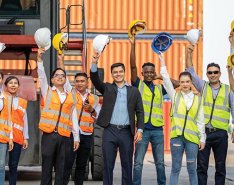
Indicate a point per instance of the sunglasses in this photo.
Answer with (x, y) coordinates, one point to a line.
(212, 72)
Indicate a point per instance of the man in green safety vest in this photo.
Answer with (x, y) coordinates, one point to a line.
(152, 96)
(218, 103)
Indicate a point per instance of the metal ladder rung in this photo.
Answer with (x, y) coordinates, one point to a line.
(72, 63)
(72, 52)
(72, 72)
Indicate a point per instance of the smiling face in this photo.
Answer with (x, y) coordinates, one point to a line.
(59, 78)
(81, 84)
(148, 73)
(185, 84)
(12, 86)
(118, 74)
(213, 74)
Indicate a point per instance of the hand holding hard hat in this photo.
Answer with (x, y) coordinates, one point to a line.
(193, 36)
(42, 38)
(100, 42)
(161, 42)
(136, 27)
(230, 61)
(60, 42)
(2, 47)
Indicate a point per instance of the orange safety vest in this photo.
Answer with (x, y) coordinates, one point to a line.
(17, 117)
(55, 113)
(86, 120)
(5, 120)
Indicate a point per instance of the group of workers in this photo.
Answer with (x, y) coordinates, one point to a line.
(129, 113)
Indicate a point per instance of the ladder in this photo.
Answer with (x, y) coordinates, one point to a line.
(75, 56)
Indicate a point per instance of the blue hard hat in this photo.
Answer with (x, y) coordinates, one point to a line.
(161, 42)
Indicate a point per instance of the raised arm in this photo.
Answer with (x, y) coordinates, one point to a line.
(98, 84)
(166, 78)
(133, 59)
(41, 73)
(197, 81)
(60, 64)
(230, 68)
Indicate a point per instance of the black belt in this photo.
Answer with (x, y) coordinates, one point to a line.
(210, 130)
(120, 126)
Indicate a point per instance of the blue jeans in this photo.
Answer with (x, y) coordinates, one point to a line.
(156, 138)
(3, 150)
(178, 146)
(14, 156)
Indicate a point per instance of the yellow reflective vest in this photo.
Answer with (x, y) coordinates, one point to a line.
(217, 111)
(152, 104)
(183, 121)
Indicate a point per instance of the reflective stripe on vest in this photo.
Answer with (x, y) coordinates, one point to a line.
(5, 119)
(19, 127)
(152, 104)
(17, 116)
(217, 111)
(51, 117)
(86, 120)
(183, 120)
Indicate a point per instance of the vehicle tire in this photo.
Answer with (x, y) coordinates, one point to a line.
(96, 154)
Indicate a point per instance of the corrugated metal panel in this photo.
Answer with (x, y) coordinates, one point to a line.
(115, 15)
(119, 50)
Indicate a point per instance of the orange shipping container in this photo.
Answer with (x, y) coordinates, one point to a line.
(119, 50)
(115, 15)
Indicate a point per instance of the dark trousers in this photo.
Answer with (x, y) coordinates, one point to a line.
(114, 139)
(82, 156)
(14, 156)
(218, 141)
(54, 149)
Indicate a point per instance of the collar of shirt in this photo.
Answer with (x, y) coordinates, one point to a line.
(220, 85)
(190, 95)
(65, 91)
(83, 96)
(125, 84)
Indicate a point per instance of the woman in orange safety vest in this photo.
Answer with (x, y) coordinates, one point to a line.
(16, 109)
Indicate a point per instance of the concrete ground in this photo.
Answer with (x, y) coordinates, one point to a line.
(149, 174)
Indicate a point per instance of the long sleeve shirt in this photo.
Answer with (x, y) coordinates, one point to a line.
(62, 96)
(199, 83)
(97, 106)
(120, 112)
(188, 98)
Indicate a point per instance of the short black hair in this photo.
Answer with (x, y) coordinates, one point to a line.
(9, 78)
(52, 74)
(82, 74)
(213, 65)
(186, 73)
(148, 64)
(118, 64)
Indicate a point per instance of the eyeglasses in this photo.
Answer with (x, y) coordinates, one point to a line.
(212, 72)
(59, 75)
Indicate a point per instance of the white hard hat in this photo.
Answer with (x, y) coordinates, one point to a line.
(100, 42)
(2, 47)
(193, 36)
(42, 38)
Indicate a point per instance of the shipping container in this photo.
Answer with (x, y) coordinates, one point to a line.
(119, 51)
(115, 15)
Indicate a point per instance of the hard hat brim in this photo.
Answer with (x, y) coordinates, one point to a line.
(161, 42)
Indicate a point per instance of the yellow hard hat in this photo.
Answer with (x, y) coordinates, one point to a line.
(60, 41)
(232, 25)
(136, 27)
(230, 61)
